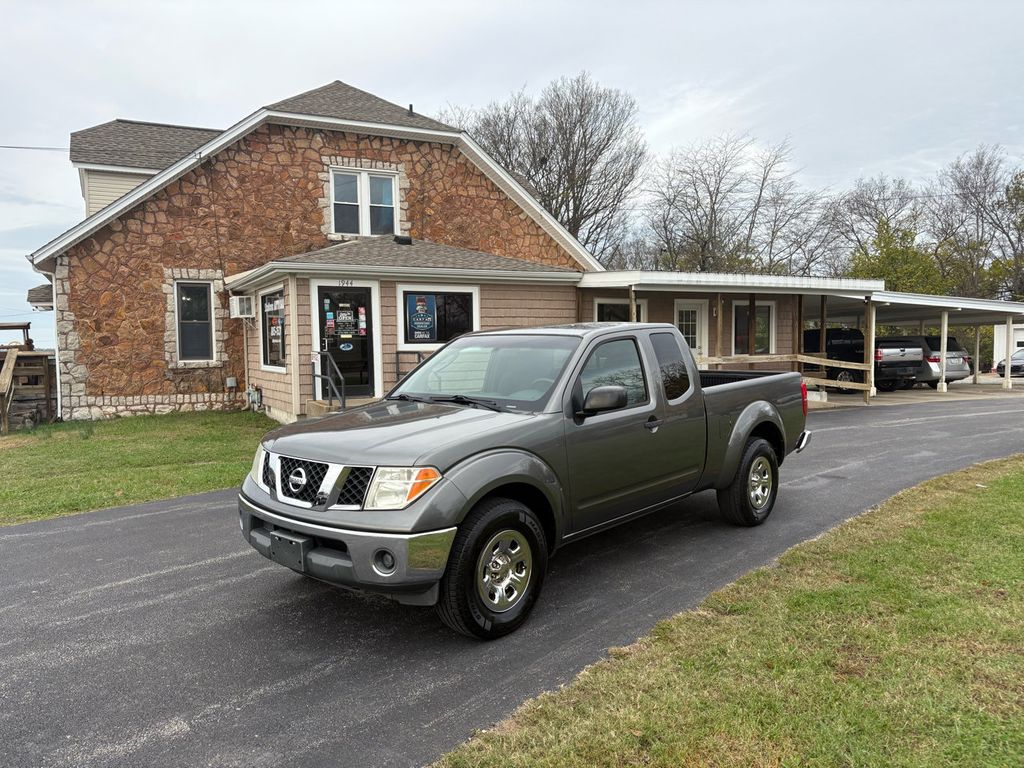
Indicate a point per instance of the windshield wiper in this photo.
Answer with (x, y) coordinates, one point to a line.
(467, 400)
(409, 398)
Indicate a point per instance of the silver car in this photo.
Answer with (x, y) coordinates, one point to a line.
(958, 362)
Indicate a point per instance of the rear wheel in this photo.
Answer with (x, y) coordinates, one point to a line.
(886, 386)
(844, 376)
(750, 497)
(933, 384)
(495, 570)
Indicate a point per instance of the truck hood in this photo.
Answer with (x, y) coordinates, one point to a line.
(391, 433)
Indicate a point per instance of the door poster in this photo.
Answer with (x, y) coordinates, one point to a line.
(420, 317)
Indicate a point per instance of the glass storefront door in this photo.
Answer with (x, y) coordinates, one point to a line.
(346, 334)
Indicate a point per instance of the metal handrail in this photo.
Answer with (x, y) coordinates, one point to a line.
(332, 389)
(398, 362)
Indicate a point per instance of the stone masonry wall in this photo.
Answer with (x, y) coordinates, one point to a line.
(261, 199)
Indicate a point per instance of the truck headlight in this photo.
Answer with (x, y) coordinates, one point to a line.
(398, 487)
(255, 471)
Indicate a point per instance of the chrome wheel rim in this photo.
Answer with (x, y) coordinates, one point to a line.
(503, 570)
(759, 487)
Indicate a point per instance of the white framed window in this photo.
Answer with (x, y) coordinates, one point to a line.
(433, 315)
(364, 202)
(273, 338)
(617, 310)
(691, 318)
(193, 320)
(764, 327)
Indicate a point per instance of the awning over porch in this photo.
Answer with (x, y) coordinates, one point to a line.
(385, 257)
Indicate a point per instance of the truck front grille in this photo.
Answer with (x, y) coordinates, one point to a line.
(354, 489)
(294, 471)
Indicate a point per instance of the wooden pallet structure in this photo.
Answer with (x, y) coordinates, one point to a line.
(27, 382)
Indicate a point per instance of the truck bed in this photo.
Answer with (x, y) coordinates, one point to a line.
(730, 394)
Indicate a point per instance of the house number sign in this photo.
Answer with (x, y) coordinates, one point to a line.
(344, 283)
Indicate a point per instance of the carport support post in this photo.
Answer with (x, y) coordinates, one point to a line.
(1008, 353)
(977, 352)
(943, 331)
(632, 304)
(869, 351)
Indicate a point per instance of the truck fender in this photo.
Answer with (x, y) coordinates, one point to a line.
(755, 414)
(480, 475)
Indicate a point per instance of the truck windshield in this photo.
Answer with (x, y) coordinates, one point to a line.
(512, 372)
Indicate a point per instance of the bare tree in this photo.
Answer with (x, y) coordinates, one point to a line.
(893, 202)
(578, 145)
(726, 205)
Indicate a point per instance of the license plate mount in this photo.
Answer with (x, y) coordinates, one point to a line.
(290, 549)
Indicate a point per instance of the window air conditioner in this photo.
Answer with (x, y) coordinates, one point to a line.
(242, 306)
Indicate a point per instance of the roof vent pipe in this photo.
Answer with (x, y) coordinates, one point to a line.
(403, 239)
(411, 113)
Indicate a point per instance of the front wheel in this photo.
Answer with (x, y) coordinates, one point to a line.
(750, 497)
(495, 570)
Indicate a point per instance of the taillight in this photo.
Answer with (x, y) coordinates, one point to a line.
(933, 359)
(803, 396)
(878, 355)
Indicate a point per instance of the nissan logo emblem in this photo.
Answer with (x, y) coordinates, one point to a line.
(297, 480)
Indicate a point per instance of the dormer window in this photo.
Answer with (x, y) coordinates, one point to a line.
(363, 202)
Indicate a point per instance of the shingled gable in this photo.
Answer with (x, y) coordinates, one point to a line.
(347, 102)
(136, 144)
(347, 109)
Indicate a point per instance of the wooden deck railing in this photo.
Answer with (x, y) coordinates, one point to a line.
(821, 362)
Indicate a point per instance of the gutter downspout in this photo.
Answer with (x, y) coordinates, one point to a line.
(56, 344)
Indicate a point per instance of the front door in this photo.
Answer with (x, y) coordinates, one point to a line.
(346, 334)
(692, 321)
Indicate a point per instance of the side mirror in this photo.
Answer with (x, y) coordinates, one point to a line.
(601, 399)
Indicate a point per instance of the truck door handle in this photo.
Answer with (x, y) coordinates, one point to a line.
(652, 424)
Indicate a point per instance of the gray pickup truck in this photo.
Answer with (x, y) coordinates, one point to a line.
(501, 447)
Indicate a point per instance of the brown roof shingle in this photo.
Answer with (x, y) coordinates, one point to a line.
(386, 252)
(135, 144)
(343, 101)
(41, 294)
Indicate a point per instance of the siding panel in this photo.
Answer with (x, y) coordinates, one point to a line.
(104, 187)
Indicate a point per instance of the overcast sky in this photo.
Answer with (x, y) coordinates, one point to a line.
(859, 87)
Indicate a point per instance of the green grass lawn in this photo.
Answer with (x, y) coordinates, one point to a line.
(76, 466)
(894, 640)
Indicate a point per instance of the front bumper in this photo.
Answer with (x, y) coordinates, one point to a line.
(347, 558)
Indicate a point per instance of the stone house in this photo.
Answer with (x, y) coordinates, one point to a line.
(337, 236)
(301, 202)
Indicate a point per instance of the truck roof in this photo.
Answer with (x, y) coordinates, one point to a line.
(573, 329)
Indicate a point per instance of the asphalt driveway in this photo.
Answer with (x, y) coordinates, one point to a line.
(152, 635)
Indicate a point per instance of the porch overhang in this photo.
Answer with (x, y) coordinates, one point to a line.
(713, 282)
(267, 273)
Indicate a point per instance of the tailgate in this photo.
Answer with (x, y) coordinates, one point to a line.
(894, 353)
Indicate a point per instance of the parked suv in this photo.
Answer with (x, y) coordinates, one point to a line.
(1016, 364)
(958, 362)
(896, 362)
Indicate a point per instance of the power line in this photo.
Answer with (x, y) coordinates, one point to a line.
(40, 149)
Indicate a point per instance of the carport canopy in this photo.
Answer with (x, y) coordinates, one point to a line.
(864, 303)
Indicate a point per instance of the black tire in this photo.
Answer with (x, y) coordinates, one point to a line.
(885, 386)
(933, 384)
(460, 605)
(735, 501)
(844, 375)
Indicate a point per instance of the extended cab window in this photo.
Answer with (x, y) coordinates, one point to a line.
(616, 363)
(674, 377)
